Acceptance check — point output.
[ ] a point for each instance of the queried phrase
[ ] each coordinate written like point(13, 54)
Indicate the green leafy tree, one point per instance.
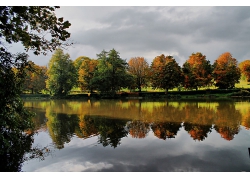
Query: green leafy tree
point(197, 71)
point(62, 75)
point(111, 74)
point(226, 73)
point(165, 73)
point(27, 25)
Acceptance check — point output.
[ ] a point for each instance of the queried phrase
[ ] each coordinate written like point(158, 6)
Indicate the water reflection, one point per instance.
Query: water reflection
point(138, 129)
point(164, 130)
point(112, 120)
point(62, 127)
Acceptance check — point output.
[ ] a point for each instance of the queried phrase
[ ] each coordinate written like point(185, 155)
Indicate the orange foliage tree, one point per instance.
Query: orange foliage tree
point(245, 69)
point(86, 73)
point(165, 73)
point(226, 73)
point(36, 77)
point(139, 68)
point(197, 71)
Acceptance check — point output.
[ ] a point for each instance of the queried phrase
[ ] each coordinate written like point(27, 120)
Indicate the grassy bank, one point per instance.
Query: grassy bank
point(241, 91)
point(209, 94)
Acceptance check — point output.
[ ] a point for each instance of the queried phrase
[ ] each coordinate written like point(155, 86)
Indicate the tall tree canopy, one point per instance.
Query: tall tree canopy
point(165, 73)
point(111, 74)
point(62, 75)
point(139, 68)
point(37, 29)
point(226, 72)
point(197, 71)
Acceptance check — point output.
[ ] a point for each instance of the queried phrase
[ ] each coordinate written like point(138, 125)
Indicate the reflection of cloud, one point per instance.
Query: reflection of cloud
point(71, 166)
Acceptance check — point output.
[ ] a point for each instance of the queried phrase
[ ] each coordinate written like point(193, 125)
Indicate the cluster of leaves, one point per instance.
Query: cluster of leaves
point(14, 118)
point(36, 27)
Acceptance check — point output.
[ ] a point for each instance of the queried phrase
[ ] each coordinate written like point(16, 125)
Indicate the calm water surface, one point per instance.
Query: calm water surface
point(133, 135)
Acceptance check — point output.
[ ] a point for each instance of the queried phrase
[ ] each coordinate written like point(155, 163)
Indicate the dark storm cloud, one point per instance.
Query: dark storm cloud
point(152, 31)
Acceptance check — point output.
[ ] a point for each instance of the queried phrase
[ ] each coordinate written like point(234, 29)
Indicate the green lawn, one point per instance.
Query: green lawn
point(243, 84)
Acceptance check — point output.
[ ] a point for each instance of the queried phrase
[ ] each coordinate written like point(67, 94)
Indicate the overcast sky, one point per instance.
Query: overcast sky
point(149, 31)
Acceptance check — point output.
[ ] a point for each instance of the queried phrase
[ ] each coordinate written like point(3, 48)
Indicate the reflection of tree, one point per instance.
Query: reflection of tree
point(245, 111)
point(246, 121)
point(227, 132)
point(227, 121)
point(12, 158)
point(21, 151)
point(164, 130)
point(62, 127)
point(138, 129)
point(39, 119)
point(110, 130)
point(87, 127)
point(197, 131)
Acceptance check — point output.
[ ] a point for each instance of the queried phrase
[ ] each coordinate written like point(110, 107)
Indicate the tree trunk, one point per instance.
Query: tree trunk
point(166, 92)
point(139, 88)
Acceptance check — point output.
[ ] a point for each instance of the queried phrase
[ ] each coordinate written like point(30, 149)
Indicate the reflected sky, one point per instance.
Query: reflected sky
point(150, 154)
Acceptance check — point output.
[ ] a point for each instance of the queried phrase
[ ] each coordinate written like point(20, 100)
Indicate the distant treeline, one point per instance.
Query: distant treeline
point(109, 73)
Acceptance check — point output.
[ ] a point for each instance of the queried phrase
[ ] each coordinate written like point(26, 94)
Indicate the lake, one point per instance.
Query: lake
point(140, 136)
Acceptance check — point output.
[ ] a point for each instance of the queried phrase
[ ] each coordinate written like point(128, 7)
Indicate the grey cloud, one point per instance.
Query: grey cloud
point(147, 31)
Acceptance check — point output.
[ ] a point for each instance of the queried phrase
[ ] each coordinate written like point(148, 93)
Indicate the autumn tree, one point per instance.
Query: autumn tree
point(226, 73)
point(39, 30)
point(197, 71)
point(165, 73)
point(245, 69)
point(111, 74)
point(61, 74)
point(36, 77)
point(86, 74)
point(77, 63)
point(139, 68)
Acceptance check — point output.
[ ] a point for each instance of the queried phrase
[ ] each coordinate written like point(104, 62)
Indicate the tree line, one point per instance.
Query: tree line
point(109, 73)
